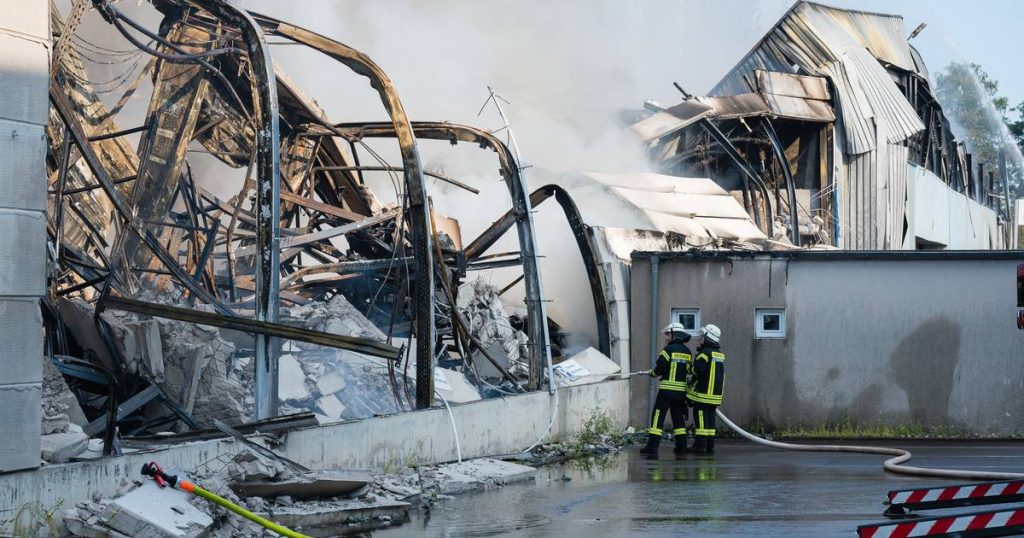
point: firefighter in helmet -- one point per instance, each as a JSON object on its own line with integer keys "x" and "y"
{"x": 672, "y": 367}
{"x": 707, "y": 379}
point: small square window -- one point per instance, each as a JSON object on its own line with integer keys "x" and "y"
{"x": 688, "y": 317}
{"x": 770, "y": 323}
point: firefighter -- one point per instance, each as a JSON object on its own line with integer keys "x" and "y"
{"x": 672, "y": 366}
{"x": 707, "y": 378}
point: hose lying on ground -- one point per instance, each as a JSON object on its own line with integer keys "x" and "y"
{"x": 892, "y": 465}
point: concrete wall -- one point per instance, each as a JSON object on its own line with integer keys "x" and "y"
{"x": 883, "y": 338}
{"x": 486, "y": 428}
{"x": 24, "y": 75}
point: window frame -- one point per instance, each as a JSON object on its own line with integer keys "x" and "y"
{"x": 676, "y": 311}
{"x": 763, "y": 334}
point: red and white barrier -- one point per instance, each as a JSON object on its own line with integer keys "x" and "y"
{"x": 991, "y": 523}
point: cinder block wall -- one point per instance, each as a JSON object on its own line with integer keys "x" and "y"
{"x": 24, "y": 75}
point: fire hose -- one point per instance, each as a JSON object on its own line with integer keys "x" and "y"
{"x": 163, "y": 480}
{"x": 893, "y": 465}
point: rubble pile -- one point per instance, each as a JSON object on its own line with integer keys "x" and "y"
{"x": 382, "y": 499}
{"x": 491, "y": 326}
{"x": 333, "y": 383}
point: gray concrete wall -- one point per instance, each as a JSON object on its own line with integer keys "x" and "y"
{"x": 24, "y": 75}
{"x": 488, "y": 427}
{"x": 915, "y": 341}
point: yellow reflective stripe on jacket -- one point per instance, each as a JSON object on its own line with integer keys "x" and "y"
{"x": 673, "y": 386}
{"x": 709, "y": 392}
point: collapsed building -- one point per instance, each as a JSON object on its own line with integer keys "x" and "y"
{"x": 830, "y": 133}
{"x": 172, "y": 309}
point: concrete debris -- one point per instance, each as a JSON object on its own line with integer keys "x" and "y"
{"x": 291, "y": 380}
{"x": 587, "y": 366}
{"x": 248, "y": 466}
{"x": 144, "y": 343}
{"x": 312, "y": 485}
{"x": 330, "y": 406}
{"x": 490, "y": 325}
{"x": 61, "y": 447}
{"x": 60, "y": 407}
{"x": 336, "y": 384}
{"x": 150, "y": 510}
{"x": 454, "y": 386}
{"x": 330, "y": 383}
{"x": 336, "y": 316}
{"x": 475, "y": 475}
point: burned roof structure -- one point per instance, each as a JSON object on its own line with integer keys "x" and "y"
{"x": 158, "y": 282}
{"x": 822, "y": 128}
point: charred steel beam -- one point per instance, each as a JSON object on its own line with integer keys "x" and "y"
{"x": 64, "y": 109}
{"x": 539, "y": 342}
{"x": 268, "y": 195}
{"x": 794, "y": 225}
{"x": 120, "y": 133}
{"x": 419, "y": 217}
{"x": 587, "y": 250}
{"x": 362, "y": 169}
{"x": 263, "y": 328}
{"x": 748, "y": 171}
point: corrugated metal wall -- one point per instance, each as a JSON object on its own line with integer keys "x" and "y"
{"x": 873, "y": 204}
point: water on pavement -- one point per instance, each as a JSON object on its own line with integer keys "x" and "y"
{"x": 743, "y": 490}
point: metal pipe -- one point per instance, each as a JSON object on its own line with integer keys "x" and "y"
{"x": 734, "y": 154}
{"x": 794, "y": 222}
{"x": 655, "y": 260}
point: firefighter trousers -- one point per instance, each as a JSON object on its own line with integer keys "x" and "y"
{"x": 703, "y": 419}
{"x": 665, "y": 403}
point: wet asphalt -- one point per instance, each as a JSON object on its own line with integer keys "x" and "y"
{"x": 743, "y": 490}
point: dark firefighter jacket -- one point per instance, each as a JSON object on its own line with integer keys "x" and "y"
{"x": 707, "y": 375}
{"x": 672, "y": 366}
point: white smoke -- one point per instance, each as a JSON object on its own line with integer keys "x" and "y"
{"x": 568, "y": 69}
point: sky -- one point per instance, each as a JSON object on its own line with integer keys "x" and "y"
{"x": 978, "y": 31}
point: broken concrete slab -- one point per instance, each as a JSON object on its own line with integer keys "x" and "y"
{"x": 330, "y": 406}
{"x": 291, "y": 379}
{"x": 587, "y": 366}
{"x": 61, "y": 447}
{"x": 355, "y": 514}
{"x": 330, "y": 383}
{"x": 472, "y": 475}
{"x": 313, "y": 485}
{"x": 150, "y": 510}
{"x": 454, "y": 386}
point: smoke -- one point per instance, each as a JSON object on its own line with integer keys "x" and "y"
{"x": 568, "y": 69}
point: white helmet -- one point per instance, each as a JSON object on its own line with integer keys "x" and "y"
{"x": 712, "y": 332}
{"x": 674, "y": 328}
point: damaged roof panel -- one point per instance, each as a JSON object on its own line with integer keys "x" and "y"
{"x": 671, "y": 120}
{"x": 695, "y": 208}
{"x": 814, "y": 39}
{"x": 795, "y": 97}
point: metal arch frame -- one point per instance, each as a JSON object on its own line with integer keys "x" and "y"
{"x": 268, "y": 195}
{"x": 581, "y": 232}
{"x": 540, "y": 348}
{"x": 416, "y": 188}
{"x": 523, "y": 204}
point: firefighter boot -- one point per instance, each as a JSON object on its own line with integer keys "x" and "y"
{"x": 681, "y": 444}
{"x": 700, "y": 444}
{"x": 710, "y": 448}
{"x": 652, "y": 444}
